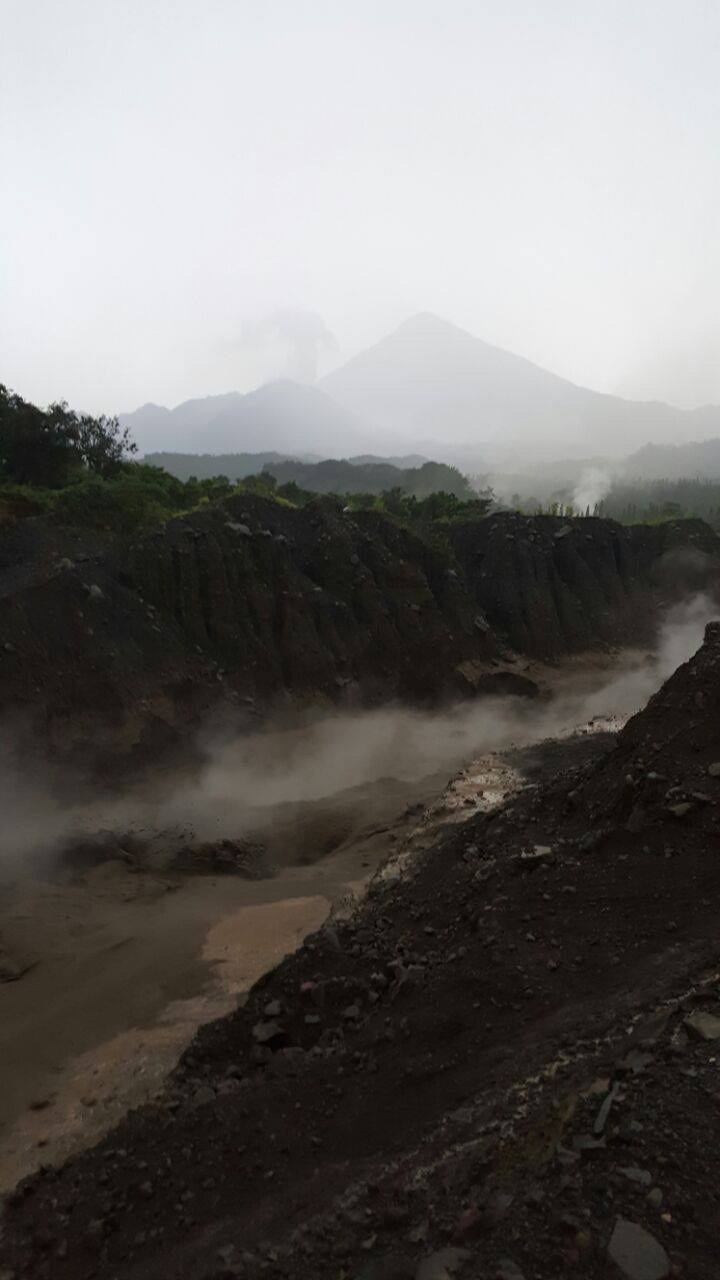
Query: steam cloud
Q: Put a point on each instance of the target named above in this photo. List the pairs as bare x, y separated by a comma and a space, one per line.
593, 485
244, 780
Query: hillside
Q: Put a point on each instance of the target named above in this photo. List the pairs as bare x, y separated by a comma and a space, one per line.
675, 461
435, 382
353, 476
114, 647
283, 417
206, 466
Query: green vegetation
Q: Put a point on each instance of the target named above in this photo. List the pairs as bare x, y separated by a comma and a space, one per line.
206, 466
50, 448
344, 477
638, 502
438, 507
80, 470
653, 501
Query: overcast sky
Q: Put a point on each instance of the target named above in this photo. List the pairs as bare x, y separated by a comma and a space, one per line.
545, 173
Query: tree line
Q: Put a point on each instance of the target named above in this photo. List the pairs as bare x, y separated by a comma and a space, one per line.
82, 470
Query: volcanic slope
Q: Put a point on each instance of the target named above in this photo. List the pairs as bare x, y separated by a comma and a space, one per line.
503, 1064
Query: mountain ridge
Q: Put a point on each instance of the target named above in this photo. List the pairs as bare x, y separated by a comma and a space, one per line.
429, 387
282, 416
430, 369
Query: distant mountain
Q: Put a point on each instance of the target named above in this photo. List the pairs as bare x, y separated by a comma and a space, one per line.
404, 462
675, 461
438, 386
282, 417
205, 466
430, 390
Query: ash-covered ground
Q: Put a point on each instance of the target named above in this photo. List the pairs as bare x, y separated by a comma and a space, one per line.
500, 1063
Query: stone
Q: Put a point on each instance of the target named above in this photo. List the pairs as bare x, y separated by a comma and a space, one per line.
636, 1253
705, 1025
589, 841
442, 1265
95, 592
269, 1033
714, 769
273, 1009
654, 1197
637, 1175
604, 1112
680, 810
352, 1012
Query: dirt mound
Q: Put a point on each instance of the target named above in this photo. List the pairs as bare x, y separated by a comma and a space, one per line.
663, 780
503, 1064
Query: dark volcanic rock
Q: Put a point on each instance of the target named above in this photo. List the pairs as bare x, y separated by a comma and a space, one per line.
131, 644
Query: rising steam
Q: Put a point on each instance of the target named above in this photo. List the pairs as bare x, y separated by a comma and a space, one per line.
593, 485
244, 780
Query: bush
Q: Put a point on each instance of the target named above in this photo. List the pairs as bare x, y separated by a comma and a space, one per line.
122, 504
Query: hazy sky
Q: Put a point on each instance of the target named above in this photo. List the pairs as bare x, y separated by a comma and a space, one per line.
545, 173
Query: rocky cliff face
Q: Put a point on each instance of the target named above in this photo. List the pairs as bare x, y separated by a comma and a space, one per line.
320, 599
251, 601
551, 586
312, 601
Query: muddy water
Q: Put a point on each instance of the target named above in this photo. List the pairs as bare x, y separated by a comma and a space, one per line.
124, 966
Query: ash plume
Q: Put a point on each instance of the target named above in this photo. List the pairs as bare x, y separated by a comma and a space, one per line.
300, 336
